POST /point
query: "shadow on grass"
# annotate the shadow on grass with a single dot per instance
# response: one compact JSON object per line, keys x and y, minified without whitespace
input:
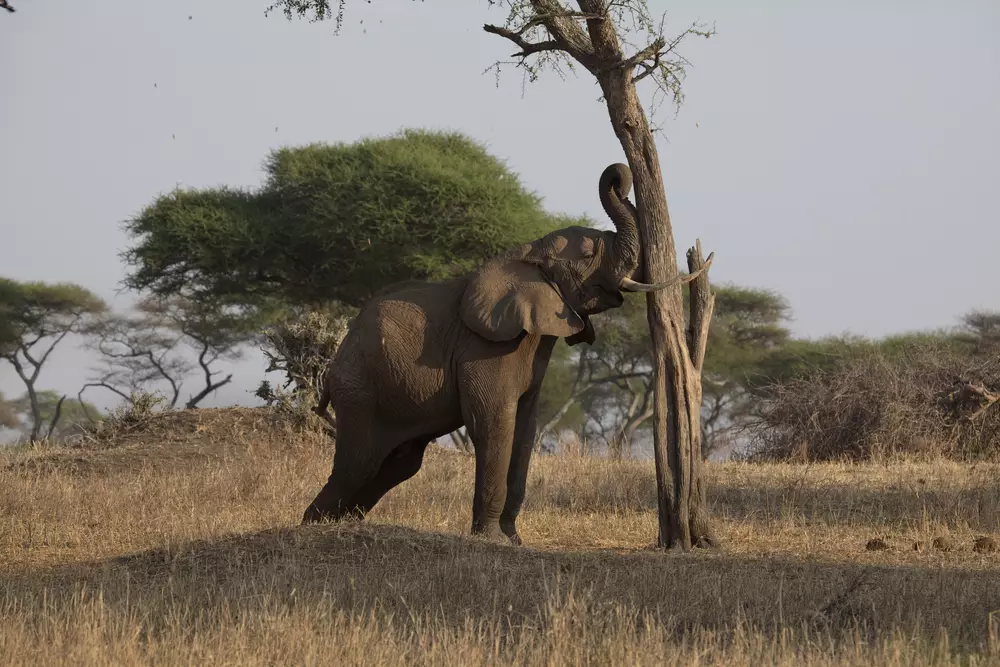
{"x":415,"y":576}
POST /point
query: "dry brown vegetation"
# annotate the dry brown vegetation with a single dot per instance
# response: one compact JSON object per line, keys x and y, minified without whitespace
{"x":929,"y":399}
{"x":177,"y":543}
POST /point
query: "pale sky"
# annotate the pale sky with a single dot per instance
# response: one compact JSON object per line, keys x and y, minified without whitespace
{"x":843,"y":154}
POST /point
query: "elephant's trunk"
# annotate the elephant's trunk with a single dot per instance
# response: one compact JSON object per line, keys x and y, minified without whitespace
{"x":614,"y":186}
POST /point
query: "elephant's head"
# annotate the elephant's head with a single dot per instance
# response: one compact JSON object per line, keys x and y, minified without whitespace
{"x":551,"y":286}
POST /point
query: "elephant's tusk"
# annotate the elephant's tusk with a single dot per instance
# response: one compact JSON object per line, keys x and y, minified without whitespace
{"x":630,"y":285}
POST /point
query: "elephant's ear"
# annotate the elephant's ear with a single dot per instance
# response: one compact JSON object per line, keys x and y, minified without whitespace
{"x":505,"y":297}
{"x":587,"y":335}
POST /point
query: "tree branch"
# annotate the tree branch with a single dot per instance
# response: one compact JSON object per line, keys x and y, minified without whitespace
{"x":702,"y":305}
{"x":206,"y":367}
{"x":109,"y":387}
{"x":527,"y":48}
{"x":55,"y":417}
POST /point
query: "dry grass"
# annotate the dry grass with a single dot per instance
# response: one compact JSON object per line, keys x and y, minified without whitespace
{"x":179,"y":545}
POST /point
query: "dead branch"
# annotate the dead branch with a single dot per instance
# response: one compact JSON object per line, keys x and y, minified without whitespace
{"x":55,"y":417}
{"x":702,"y":303}
{"x":966,"y":401}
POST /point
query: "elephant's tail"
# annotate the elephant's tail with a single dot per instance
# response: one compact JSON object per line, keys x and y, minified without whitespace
{"x":322,"y":407}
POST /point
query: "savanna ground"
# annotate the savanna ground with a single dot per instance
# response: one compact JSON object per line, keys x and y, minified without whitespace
{"x":178,"y":543}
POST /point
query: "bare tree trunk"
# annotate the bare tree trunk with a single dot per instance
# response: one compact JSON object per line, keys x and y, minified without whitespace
{"x":677,"y":354}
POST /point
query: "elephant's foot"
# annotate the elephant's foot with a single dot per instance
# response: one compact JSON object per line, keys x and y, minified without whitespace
{"x":508,"y":528}
{"x":496,"y":532}
{"x":314,"y":514}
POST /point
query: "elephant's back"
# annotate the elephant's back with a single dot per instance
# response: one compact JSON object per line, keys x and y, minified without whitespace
{"x":400,"y":349}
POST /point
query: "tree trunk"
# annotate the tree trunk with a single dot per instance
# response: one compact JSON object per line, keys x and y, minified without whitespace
{"x":683,"y":519}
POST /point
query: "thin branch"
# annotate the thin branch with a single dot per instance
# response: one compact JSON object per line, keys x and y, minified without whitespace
{"x":55,"y":417}
{"x":105,"y":385}
{"x":527,"y":48}
{"x":209,"y":373}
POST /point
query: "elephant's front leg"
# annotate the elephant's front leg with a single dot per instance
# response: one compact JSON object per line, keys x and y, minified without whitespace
{"x":491,"y":427}
{"x":525,"y":430}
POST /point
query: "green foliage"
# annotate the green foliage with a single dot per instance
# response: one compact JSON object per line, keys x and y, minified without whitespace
{"x":337,"y":223}
{"x":34,"y":318}
{"x":71,"y":415}
{"x":30,"y":311}
{"x":610,"y":381}
{"x":8,"y":414}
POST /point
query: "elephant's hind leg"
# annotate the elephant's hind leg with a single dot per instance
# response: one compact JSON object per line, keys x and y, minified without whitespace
{"x":355,"y":463}
{"x":402,"y":463}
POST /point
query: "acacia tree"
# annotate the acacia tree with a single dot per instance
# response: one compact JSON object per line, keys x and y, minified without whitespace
{"x":595,"y":36}
{"x":336,"y":224}
{"x":64,"y":416}
{"x":153,"y":346}
{"x":35,"y":317}
{"x":606,"y":391}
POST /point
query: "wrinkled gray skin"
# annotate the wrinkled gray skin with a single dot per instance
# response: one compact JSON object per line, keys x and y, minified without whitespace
{"x":423,"y":359}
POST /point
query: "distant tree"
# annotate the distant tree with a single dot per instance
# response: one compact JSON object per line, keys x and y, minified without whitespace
{"x":153,"y":346}
{"x":336,"y":223}
{"x":35,"y":318}
{"x":748,"y":326}
{"x":8,"y":414}
{"x":605,"y":391}
{"x":62,"y":416}
{"x":982,"y":328}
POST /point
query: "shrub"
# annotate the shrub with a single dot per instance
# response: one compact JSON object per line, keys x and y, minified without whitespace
{"x":302,"y":349}
{"x":927,"y":398}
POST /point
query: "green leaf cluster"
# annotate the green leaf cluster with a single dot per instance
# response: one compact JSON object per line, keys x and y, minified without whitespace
{"x":337,"y":223}
{"x":33,"y":310}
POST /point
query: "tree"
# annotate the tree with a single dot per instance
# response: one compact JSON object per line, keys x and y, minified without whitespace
{"x":63,"y":416}
{"x":982,"y":328}
{"x":152,"y":346}
{"x":35,"y":318}
{"x":612,"y":389}
{"x":748,"y":326}
{"x":336,"y":223}
{"x":8,"y":414}
{"x":550,"y":33}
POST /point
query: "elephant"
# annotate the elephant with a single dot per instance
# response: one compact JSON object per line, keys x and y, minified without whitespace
{"x":422,"y":359}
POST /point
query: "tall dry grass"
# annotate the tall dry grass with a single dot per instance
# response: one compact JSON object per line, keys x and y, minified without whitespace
{"x":179,"y":544}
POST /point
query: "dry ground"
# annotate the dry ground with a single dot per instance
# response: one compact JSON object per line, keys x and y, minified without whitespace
{"x":179,"y":544}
